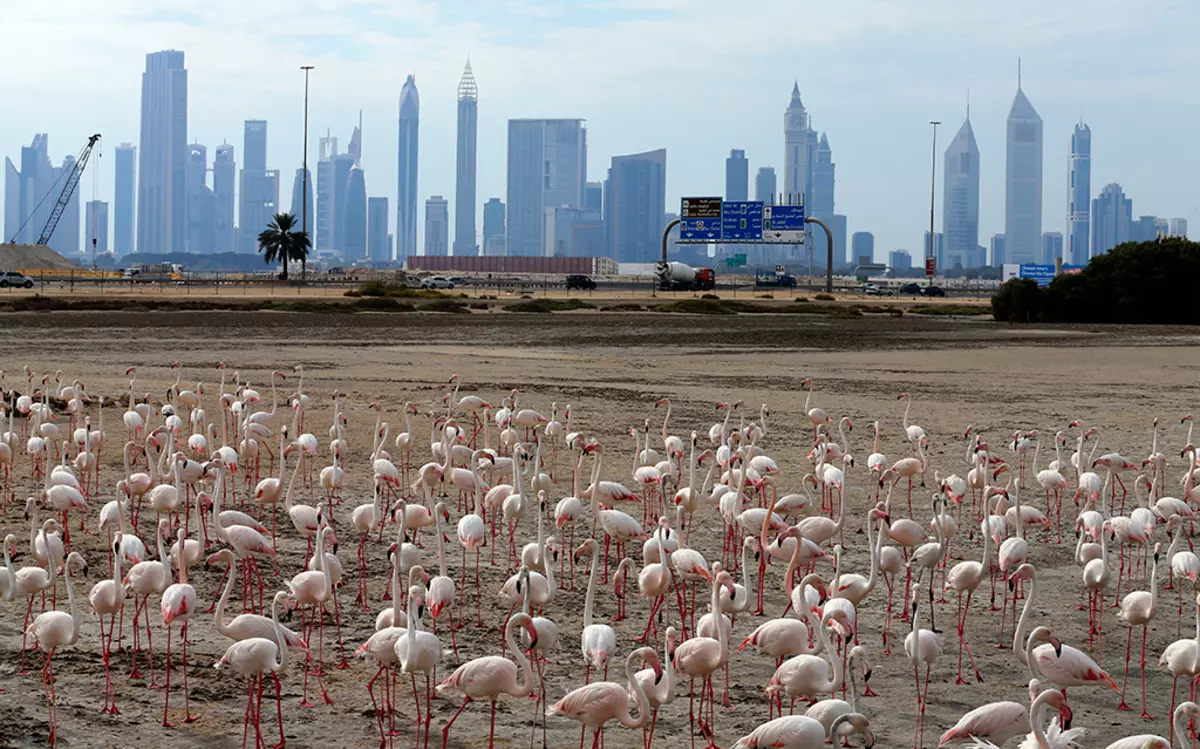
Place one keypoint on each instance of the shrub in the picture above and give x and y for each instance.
(452, 306)
(548, 305)
(956, 310)
(766, 296)
(824, 298)
(696, 307)
(375, 288)
(709, 296)
(376, 304)
(1018, 300)
(622, 307)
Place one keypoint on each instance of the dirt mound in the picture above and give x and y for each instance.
(32, 257)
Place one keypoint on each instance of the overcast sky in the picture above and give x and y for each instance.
(697, 77)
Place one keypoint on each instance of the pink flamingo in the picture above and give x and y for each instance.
(595, 704)
(700, 657)
(178, 603)
(252, 657)
(53, 630)
(1138, 608)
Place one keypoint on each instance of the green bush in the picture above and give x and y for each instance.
(452, 306)
(386, 304)
(824, 298)
(709, 296)
(375, 288)
(956, 310)
(1018, 300)
(696, 307)
(766, 296)
(622, 307)
(548, 305)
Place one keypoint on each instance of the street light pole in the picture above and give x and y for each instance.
(932, 190)
(304, 177)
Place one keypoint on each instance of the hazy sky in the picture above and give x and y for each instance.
(697, 77)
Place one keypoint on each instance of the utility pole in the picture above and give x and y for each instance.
(929, 272)
(304, 178)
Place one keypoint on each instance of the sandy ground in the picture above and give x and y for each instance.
(610, 368)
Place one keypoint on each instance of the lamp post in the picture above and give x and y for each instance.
(304, 177)
(930, 271)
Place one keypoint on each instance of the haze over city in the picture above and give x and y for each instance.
(697, 78)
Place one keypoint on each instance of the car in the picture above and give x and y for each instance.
(436, 282)
(877, 290)
(11, 278)
(910, 288)
(933, 291)
(578, 281)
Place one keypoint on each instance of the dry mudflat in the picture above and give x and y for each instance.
(610, 368)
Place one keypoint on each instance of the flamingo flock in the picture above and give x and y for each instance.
(538, 513)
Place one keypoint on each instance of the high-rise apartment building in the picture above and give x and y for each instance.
(862, 244)
(797, 137)
(437, 226)
(960, 199)
(593, 196)
(224, 188)
(547, 168)
(997, 251)
(378, 248)
(260, 186)
(355, 217)
(96, 223)
(1112, 219)
(124, 198)
(325, 219)
(340, 167)
(1023, 182)
(163, 154)
(304, 210)
(65, 240)
(1179, 227)
(737, 176)
(25, 213)
(406, 193)
(897, 259)
(1079, 196)
(493, 227)
(765, 185)
(636, 201)
(202, 204)
(1052, 248)
(466, 162)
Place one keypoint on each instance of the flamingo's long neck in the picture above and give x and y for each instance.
(1026, 648)
(71, 601)
(280, 639)
(525, 687)
(219, 614)
(437, 521)
(12, 575)
(590, 601)
(643, 705)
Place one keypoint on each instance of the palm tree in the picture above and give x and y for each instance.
(279, 243)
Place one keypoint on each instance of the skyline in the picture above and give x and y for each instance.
(1073, 63)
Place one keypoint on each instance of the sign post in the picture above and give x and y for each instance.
(930, 267)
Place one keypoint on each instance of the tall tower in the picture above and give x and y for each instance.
(163, 153)
(464, 190)
(124, 198)
(960, 199)
(1079, 193)
(737, 176)
(406, 194)
(795, 157)
(260, 186)
(224, 185)
(547, 168)
(1023, 181)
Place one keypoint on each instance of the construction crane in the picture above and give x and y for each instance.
(68, 189)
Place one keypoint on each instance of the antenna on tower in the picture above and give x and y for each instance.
(1018, 73)
(968, 103)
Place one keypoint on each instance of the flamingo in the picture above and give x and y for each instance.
(593, 705)
(491, 676)
(921, 646)
(107, 598)
(966, 577)
(254, 656)
(996, 721)
(659, 686)
(816, 416)
(1139, 608)
(441, 588)
(148, 578)
(1053, 737)
(597, 641)
(1182, 658)
(178, 603)
(700, 656)
(314, 588)
(418, 651)
(53, 630)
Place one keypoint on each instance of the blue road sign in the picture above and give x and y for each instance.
(1042, 273)
(741, 221)
(783, 223)
(700, 230)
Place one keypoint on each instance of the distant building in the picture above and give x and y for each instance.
(1112, 217)
(354, 219)
(464, 187)
(897, 259)
(305, 211)
(96, 223)
(202, 203)
(162, 170)
(575, 232)
(1079, 196)
(1052, 247)
(406, 193)
(593, 196)
(224, 187)
(1023, 182)
(820, 200)
(125, 198)
(799, 142)
(1179, 227)
(636, 200)
(339, 172)
(493, 227)
(25, 213)
(841, 247)
(737, 176)
(437, 227)
(997, 251)
(260, 186)
(765, 185)
(960, 199)
(862, 244)
(939, 249)
(547, 168)
(1149, 228)
(378, 247)
(65, 240)
(325, 218)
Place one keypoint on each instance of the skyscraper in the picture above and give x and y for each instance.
(299, 184)
(637, 200)
(547, 168)
(25, 211)
(12, 200)
(1179, 227)
(765, 184)
(163, 153)
(464, 188)
(377, 230)
(328, 148)
(960, 198)
(493, 227)
(897, 259)
(593, 196)
(202, 204)
(1079, 196)
(65, 240)
(355, 217)
(862, 244)
(1023, 182)
(997, 251)
(796, 136)
(260, 186)
(437, 226)
(737, 176)
(339, 174)
(124, 198)
(1112, 217)
(406, 193)
(1052, 248)
(225, 201)
(1148, 229)
(96, 223)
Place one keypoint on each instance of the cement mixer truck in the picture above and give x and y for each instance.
(682, 277)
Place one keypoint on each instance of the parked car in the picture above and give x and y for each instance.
(913, 289)
(877, 290)
(12, 278)
(933, 291)
(580, 282)
(436, 282)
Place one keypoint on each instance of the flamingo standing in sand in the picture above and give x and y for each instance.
(593, 705)
(53, 630)
(252, 657)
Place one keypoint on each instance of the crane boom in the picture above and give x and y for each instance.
(68, 190)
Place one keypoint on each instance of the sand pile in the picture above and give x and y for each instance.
(32, 257)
